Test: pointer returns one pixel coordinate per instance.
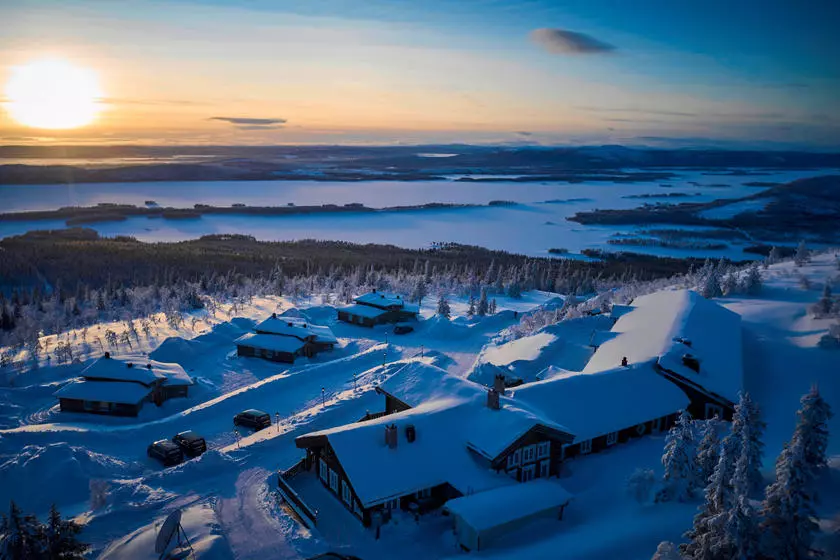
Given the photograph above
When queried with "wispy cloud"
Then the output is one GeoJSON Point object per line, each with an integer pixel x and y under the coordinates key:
{"type": "Point", "coordinates": [524, 133]}
{"type": "Point", "coordinates": [639, 111]}
{"type": "Point", "coordinates": [248, 121]}
{"type": "Point", "coordinates": [563, 41]}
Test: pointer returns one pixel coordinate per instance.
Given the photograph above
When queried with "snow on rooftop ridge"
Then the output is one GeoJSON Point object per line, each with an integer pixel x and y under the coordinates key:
{"type": "Point", "coordinates": [136, 369]}
{"type": "Point", "coordinates": [271, 342]}
{"type": "Point", "coordinates": [295, 327]}
{"type": "Point", "coordinates": [104, 391]}
{"type": "Point", "coordinates": [665, 326]}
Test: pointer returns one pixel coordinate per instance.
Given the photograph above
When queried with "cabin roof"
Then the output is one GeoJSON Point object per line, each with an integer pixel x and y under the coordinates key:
{"type": "Point", "coordinates": [297, 327]}
{"type": "Point", "coordinates": [271, 342]}
{"type": "Point", "coordinates": [505, 504]}
{"type": "Point", "coordinates": [135, 368]}
{"type": "Point", "coordinates": [453, 428]}
{"type": "Point", "coordinates": [597, 404]}
{"type": "Point", "coordinates": [384, 299]}
{"type": "Point", "coordinates": [657, 325]}
{"type": "Point", "coordinates": [104, 391]}
{"type": "Point", "coordinates": [363, 310]}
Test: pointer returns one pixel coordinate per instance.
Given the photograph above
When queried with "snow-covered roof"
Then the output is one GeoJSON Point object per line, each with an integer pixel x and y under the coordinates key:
{"type": "Point", "coordinates": [526, 348]}
{"type": "Point", "coordinates": [596, 404]}
{"type": "Point", "coordinates": [383, 299]}
{"type": "Point", "coordinates": [297, 327]}
{"type": "Point", "coordinates": [438, 455]}
{"type": "Point", "coordinates": [136, 369]}
{"type": "Point", "coordinates": [104, 391]}
{"type": "Point", "coordinates": [270, 342]}
{"type": "Point", "coordinates": [363, 310]}
{"type": "Point", "coordinates": [503, 505]}
{"type": "Point", "coordinates": [414, 382]}
{"type": "Point", "coordinates": [656, 329]}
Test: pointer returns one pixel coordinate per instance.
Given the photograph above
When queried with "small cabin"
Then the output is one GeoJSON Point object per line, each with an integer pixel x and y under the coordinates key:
{"type": "Point", "coordinates": [284, 339]}
{"type": "Point", "coordinates": [375, 308]}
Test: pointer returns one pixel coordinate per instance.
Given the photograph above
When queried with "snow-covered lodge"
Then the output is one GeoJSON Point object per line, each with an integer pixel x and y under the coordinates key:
{"type": "Point", "coordinates": [122, 387]}
{"type": "Point", "coordinates": [443, 438]}
{"type": "Point", "coordinates": [282, 339]}
{"type": "Point", "coordinates": [375, 308]}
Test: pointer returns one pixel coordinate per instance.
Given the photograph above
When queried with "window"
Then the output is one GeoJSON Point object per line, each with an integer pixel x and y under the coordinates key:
{"type": "Point", "coordinates": [392, 504]}
{"type": "Point", "coordinates": [543, 449]}
{"type": "Point", "coordinates": [529, 453]}
{"type": "Point", "coordinates": [713, 410]}
{"type": "Point", "coordinates": [612, 438]}
{"type": "Point", "coordinates": [424, 494]}
{"type": "Point", "coordinates": [346, 494]}
{"type": "Point", "coordinates": [528, 472]}
{"type": "Point", "coordinates": [334, 481]}
{"type": "Point", "coordinates": [323, 468]}
{"type": "Point", "coordinates": [657, 426]}
{"type": "Point", "coordinates": [586, 447]}
{"type": "Point", "coordinates": [514, 458]}
{"type": "Point", "coordinates": [545, 468]}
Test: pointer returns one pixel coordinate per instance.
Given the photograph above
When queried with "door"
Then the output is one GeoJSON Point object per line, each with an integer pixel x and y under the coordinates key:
{"type": "Point", "coordinates": [528, 472]}
{"type": "Point", "coordinates": [545, 468]}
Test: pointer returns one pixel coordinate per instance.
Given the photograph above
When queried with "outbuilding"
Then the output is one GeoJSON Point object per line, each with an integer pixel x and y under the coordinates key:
{"type": "Point", "coordinates": [486, 517]}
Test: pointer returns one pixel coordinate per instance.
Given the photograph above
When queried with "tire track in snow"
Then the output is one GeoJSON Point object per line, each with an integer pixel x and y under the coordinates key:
{"type": "Point", "coordinates": [247, 523]}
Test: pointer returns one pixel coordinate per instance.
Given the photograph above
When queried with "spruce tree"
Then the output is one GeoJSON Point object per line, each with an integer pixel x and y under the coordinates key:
{"type": "Point", "coordinates": [802, 255]}
{"type": "Point", "coordinates": [678, 460]}
{"type": "Point", "coordinates": [708, 452]}
{"type": "Point", "coordinates": [443, 308]}
{"type": "Point", "coordinates": [812, 430]}
{"type": "Point", "coordinates": [483, 306]}
{"type": "Point", "coordinates": [740, 535]}
{"type": "Point", "coordinates": [747, 429]}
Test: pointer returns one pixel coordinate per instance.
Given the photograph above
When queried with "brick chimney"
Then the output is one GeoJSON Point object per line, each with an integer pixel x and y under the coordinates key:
{"type": "Point", "coordinates": [391, 436]}
{"type": "Point", "coordinates": [499, 383]}
{"type": "Point", "coordinates": [493, 399]}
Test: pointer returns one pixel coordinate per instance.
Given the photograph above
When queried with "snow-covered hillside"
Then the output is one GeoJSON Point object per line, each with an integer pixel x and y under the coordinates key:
{"type": "Point", "coordinates": [228, 495]}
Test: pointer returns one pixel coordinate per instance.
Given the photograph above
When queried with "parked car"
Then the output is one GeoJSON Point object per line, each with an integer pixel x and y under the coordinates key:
{"type": "Point", "coordinates": [252, 418]}
{"type": "Point", "coordinates": [190, 443]}
{"type": "Point", "coordinates": [401, 328]}
{"type": "Point", "coordinates": [165, 451]}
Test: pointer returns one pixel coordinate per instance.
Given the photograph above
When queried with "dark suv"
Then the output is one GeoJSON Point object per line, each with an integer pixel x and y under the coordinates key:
{"type": "Point", "coordinates": [166, 452]}
{"type": "Point", "coordinates": [190, 443]}
{"type": "Point", "coordinates": [252, 418]}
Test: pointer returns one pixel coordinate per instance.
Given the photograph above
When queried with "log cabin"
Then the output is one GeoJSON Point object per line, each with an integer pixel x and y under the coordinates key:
{"type": "Point", "coordinates": [375, 308]}
{"type": "Point", "coordinates": [283, 339]}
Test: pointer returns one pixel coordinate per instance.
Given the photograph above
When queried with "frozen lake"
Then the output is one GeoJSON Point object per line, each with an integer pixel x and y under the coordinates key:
{"type": "Point", "coordinates": [531, 227]}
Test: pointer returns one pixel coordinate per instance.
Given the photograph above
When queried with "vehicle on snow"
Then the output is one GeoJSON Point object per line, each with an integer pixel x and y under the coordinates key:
{"type": "Point", "coordinates": [190, 443]}
{"type": "Point", "coordinates": [402, 328]}
{"type": "Point", "coordinates": [165, 451]}
{"type": "Point", "coordinates": [252, 418]}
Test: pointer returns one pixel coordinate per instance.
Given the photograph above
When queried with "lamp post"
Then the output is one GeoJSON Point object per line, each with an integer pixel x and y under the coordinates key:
{"type": "Point", "coordinates": [323, 397]}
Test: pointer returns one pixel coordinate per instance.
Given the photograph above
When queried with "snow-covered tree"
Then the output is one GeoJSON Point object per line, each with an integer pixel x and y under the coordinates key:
{"type": "Point", "coordinates": [825, 304]}
{"type": "Point", "coordinates": [491, 309]}
{"type": "Point", "coordinates": [747, 431]}
{"type": "Point", "coordinates": [483, 306]}
{"type": "Point", "coordinates": [666, 551]}
{"type": "Point", "coordinates": [678, 461]}
{"type": "Point", "coordinates": [774, 256]}
{"type": "Point", "coordinates": [443, 308]}
{"type": "Point", "coordinates": [740, 530]}
{"type": "Point", "coordinates": [471, 308]}
{"type": "Point", "coordinates": [812, 430]}
{"type": "Point", "coordinates": [707, 534]}
{"type": "Point", "coordinates": [710, 284]}
{"type": "Point", "coordinates": [729, 284]}
{"type": "Point", "coordinates": [752, 281]}
{"type": "Point", "coordinates": [708, 452]}
{"type": "Point", "coordinates": [788, 521]}
{"type": "Point", "coordinates": [802, 255]}
{"type": "Point", "coordinates": [640, 484]}
{"type": "Point", "coordinates": [420, 291]}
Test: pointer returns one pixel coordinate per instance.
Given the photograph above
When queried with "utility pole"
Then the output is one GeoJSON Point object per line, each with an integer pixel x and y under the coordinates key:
{"type": "Point", "coordinates": [323, 397]}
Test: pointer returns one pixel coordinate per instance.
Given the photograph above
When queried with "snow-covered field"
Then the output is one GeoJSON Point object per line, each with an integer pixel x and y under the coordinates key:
{"type": "Point", "coordinates": [533, 226]}
{"type": "Point", "coordinates": [228, 495]}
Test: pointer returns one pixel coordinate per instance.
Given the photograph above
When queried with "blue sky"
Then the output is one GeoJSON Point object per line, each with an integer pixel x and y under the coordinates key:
{"type": "Point", "coordinates": [737, 73]}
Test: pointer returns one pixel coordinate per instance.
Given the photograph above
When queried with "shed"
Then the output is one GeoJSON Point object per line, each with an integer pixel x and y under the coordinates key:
{"type": "Point", "coordinates": [480, 519]}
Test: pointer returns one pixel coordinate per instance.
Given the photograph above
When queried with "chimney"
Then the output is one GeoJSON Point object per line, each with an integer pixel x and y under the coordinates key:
{"type": "Point", "coordinates": [499, 383]}
{"type": "Point", "coordinates": [410, 433]}
{"type": "Point", "coordinates": [374, 290]}
{"type": "Point", "coordinates": [129, 365]}
{"type": "Point", "coordinates": [274, 315]}
{"type": "Point", "coordinates": [391, 436]}
{"type": "Point", "coordinates": [107, 355]}
{"type": "Point", "coordinates": [149, 365]}
{"type": "Point", "coordinates": [493, 399]}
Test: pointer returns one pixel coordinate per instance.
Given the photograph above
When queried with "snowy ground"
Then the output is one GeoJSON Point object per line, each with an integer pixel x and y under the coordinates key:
{"type": "Point", "coordinates": [540, 214]}
{"type": "Point", "coordinates": [230, 507]}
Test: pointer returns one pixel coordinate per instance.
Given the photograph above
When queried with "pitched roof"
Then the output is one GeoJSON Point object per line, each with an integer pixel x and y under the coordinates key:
{"type": "Point", "coordinates": [499, 506]}
{"type": "Point", "coordinates": [451, 421]}
{"type": "Point", "coordinates": [363, 310]}
{"type": "Point", "coordinates": [383, 299]}
{"type": "Point", "coordinates": [297, 327]}
{"type": "Point", "coordinates": [104, 391]}
{"type": "Point", "coordinates": [597, 404]}
{"type": "Point", "coordinates": [136, 369]}
{"type": "Point", "coordinates": [657, 325]}
{"type": "Point", "coordinates": [272, 342]}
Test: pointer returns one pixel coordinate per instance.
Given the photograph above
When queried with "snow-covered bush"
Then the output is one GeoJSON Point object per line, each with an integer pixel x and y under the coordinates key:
{"type": "Point", "coordinates": [666, 551]}
{"type": "Point", "coordinates": [640, 484]}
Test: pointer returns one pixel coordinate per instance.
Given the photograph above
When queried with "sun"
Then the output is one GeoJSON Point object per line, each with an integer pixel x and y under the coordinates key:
{"type": "Point", "coordinates": [53, 94]}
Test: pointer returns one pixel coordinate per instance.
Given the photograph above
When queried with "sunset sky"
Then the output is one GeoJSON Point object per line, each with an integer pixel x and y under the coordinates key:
{"type": "Point", "coordinates": [655, 72]}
